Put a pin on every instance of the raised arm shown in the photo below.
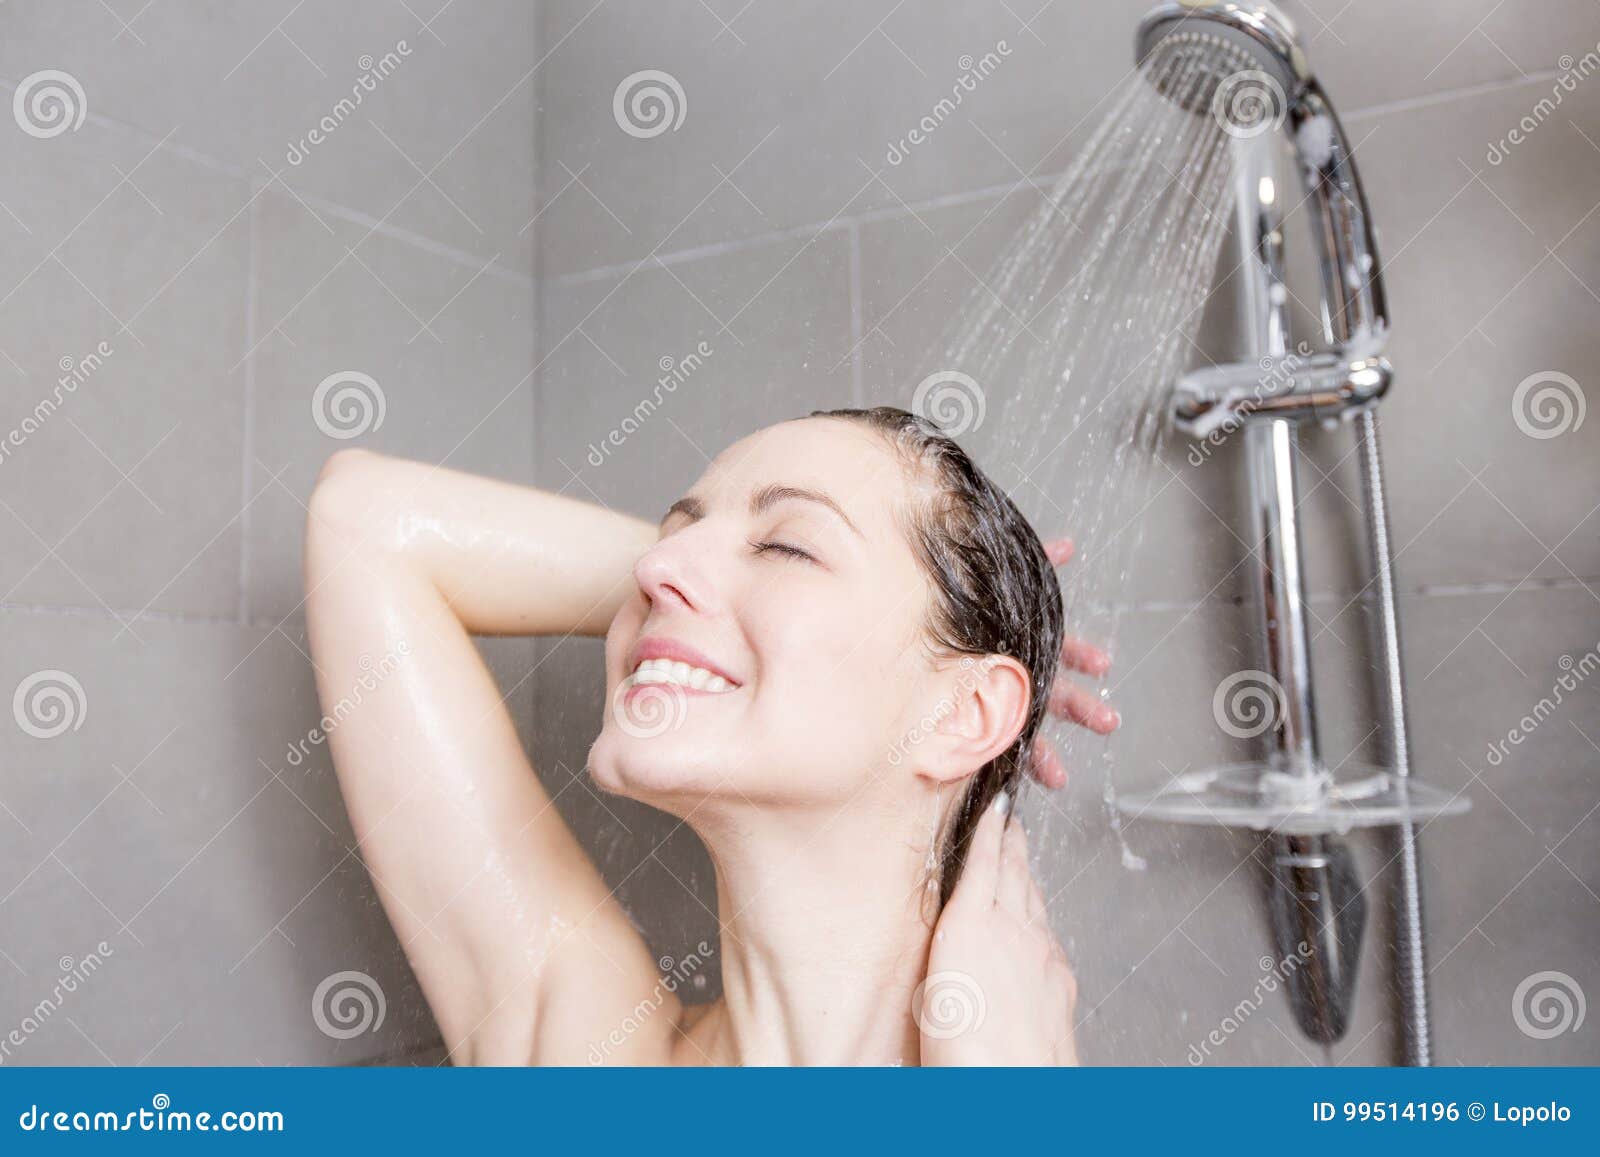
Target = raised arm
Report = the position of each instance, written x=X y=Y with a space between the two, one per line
x=488 y=890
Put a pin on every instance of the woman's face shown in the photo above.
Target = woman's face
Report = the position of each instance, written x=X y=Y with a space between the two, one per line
x=784 y=576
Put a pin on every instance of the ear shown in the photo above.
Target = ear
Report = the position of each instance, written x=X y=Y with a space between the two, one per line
x=982 y=711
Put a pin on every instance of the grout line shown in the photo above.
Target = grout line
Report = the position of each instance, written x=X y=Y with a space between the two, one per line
x=796 y=232
x=1466 y=92
x=246 y=469
x=858 y=392
x=992 y=192
x=336 y=209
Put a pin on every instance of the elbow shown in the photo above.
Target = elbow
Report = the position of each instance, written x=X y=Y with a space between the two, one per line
x=349 y=505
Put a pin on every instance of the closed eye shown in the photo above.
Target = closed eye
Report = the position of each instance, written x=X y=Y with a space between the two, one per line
x=782 y=548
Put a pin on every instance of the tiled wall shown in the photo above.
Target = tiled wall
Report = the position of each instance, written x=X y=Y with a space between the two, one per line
x=151 y=522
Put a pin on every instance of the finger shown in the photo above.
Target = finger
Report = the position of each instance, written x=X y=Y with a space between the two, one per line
x=1068 y=701
x=1011 y=890
x=982 y=867
x=1086 y=657
x=1046 y=765
x=1059 y=551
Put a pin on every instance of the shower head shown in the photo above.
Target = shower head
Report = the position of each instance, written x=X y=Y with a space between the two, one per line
x=1242 y=64
x=1208 y=41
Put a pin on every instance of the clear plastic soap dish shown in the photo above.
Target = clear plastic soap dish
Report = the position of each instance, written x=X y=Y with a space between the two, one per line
x=1258 y=796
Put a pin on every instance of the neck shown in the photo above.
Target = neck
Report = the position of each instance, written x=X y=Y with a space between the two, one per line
x=826 y=925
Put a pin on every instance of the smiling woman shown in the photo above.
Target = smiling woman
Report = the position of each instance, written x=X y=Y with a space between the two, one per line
x=831 y=659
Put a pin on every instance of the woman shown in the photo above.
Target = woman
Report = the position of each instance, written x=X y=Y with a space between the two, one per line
x=830 y=659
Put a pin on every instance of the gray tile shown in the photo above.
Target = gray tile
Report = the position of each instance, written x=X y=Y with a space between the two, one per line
x=220 y=874
x=1487 y=283
x=836 y=86
x=1369 y=52
x=121 y=328
x=248 y=87
x=449 y=347
x=1509 y=888
x=630 y=409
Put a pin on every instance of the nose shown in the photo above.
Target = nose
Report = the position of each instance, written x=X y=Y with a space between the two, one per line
x=672 y=574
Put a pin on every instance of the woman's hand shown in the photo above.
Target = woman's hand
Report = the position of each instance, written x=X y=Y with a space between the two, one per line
x=1067 y=699
x=999 y=990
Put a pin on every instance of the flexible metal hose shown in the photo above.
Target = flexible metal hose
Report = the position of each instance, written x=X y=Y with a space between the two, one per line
x=1411 y=961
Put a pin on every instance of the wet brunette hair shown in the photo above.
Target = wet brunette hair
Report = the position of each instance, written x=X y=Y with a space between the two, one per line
x=994 y=593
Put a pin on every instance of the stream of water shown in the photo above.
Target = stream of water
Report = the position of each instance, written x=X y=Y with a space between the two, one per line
x=1077 y=332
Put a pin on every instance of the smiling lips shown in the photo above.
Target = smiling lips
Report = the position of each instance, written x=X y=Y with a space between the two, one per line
x=662 y=660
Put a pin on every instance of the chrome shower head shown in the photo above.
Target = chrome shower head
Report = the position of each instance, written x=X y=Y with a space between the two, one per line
x=1208 y=41
x=1242 y=63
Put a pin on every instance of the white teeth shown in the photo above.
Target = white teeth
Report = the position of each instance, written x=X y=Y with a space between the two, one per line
x=680 y=674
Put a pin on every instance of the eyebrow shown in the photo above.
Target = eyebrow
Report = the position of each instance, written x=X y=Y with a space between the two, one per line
x=763 y=500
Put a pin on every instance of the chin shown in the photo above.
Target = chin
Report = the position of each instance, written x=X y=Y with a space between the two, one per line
x=657 y=770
